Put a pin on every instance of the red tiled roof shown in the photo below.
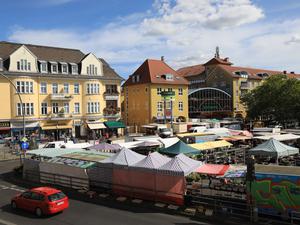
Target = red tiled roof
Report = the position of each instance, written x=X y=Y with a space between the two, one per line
x=191 y=70
x=252 y=72
x=215 y=60
x=151 y=71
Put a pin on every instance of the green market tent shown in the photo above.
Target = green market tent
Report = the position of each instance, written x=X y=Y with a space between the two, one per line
x=114 y=124
x=179 y=147
x=273 y=148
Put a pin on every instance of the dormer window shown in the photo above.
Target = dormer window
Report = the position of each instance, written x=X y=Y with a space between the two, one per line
x=1 y=64
x=74 y=68
x=64 y=67
x=137 y=78
x=54 y=67
x=169 y=76
x=243 y=74
x=23 y=65
x=43 y=67
x=262 y=75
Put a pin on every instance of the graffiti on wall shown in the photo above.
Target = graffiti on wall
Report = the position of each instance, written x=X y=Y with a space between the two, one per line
x=277 y=193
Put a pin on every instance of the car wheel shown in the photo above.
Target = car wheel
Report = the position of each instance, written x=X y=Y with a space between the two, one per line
x=14 y=205
x=38 y=212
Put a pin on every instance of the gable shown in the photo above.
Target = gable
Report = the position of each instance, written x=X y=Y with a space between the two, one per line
x=91 y=59
x=23 y=53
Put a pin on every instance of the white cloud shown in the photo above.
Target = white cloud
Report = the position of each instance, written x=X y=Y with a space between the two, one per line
x=186 y=33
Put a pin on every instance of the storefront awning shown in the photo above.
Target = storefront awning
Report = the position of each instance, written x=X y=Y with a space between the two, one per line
x=57 y=127
x=114 y=124
x=28 y=126
x=95 y=126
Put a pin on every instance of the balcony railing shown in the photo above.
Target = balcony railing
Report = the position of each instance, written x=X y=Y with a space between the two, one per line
x=59 y=115
x=61 y=97
x=111 y=95
x=111 y=111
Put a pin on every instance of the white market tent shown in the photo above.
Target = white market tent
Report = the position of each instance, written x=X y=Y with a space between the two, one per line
x=153 y=161
x=273 y=148
x=125 y=157
x=180 y=164
x=279 y=137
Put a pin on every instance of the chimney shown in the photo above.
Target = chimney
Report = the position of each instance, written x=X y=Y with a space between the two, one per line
x=284 y=72
x=292 y=72
x=162 y=58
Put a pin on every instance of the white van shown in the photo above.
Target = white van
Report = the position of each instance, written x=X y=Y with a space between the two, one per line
x=198 y=129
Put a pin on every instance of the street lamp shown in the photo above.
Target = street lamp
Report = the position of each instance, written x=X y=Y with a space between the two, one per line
x=22 y=105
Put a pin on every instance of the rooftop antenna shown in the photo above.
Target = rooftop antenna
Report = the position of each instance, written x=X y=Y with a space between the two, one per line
x=217 y=55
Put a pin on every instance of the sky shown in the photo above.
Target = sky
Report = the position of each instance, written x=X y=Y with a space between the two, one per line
x=256 y=33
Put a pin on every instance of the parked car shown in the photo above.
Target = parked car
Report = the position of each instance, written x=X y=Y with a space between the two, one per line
x=165 y=132
x=41 y=201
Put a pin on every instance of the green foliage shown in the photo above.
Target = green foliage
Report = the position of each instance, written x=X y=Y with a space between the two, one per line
x=278 y=98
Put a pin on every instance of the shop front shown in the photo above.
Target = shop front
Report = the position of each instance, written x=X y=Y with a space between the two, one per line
x=96 y=129
x=55 y=131
x=31 y=128
x=5 y=129
x=115 y=128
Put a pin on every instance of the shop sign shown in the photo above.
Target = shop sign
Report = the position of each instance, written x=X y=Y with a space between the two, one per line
x=5 y=124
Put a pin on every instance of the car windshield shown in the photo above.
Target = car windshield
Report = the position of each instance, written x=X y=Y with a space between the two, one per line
x=56 y=196
x=165 y=130
x=50 y=145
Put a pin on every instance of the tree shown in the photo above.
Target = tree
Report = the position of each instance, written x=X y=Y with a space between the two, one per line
x=278 y=98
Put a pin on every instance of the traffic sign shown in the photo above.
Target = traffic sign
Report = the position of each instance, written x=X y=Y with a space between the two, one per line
x=25 y=145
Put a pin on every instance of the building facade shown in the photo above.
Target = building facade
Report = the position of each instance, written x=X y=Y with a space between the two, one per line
x=155 y=93
x=216 y=87
x=63 y=90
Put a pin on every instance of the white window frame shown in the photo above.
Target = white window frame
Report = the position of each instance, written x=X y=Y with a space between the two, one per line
x=74 y=68
x=44 y=108
x=54 y=85
x=180 y=106
x=158 y=91
x=28 y=109
x=76 y=108
x=67 y=107
x=54 y=64
x=76 y=89
x=41 y=66
x=43 y=88
x=66 y=88
x=160 y=106
x=63 y=64
x=24 y=87
x=180 y=91
x=54 y=107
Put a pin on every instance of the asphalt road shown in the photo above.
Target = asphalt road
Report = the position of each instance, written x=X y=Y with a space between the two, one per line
x=81 y=212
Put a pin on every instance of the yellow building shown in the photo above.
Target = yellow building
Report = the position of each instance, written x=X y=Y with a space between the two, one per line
x=63 y=90
x=216 y=87
x=143 y=95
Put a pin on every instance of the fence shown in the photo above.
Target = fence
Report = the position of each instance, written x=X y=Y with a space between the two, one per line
x=206 y=205
x=80 y=183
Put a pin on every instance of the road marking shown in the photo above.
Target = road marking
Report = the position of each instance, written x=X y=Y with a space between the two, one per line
x=6 y=222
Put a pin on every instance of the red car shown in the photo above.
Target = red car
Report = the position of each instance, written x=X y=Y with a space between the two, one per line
x=41 y=201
